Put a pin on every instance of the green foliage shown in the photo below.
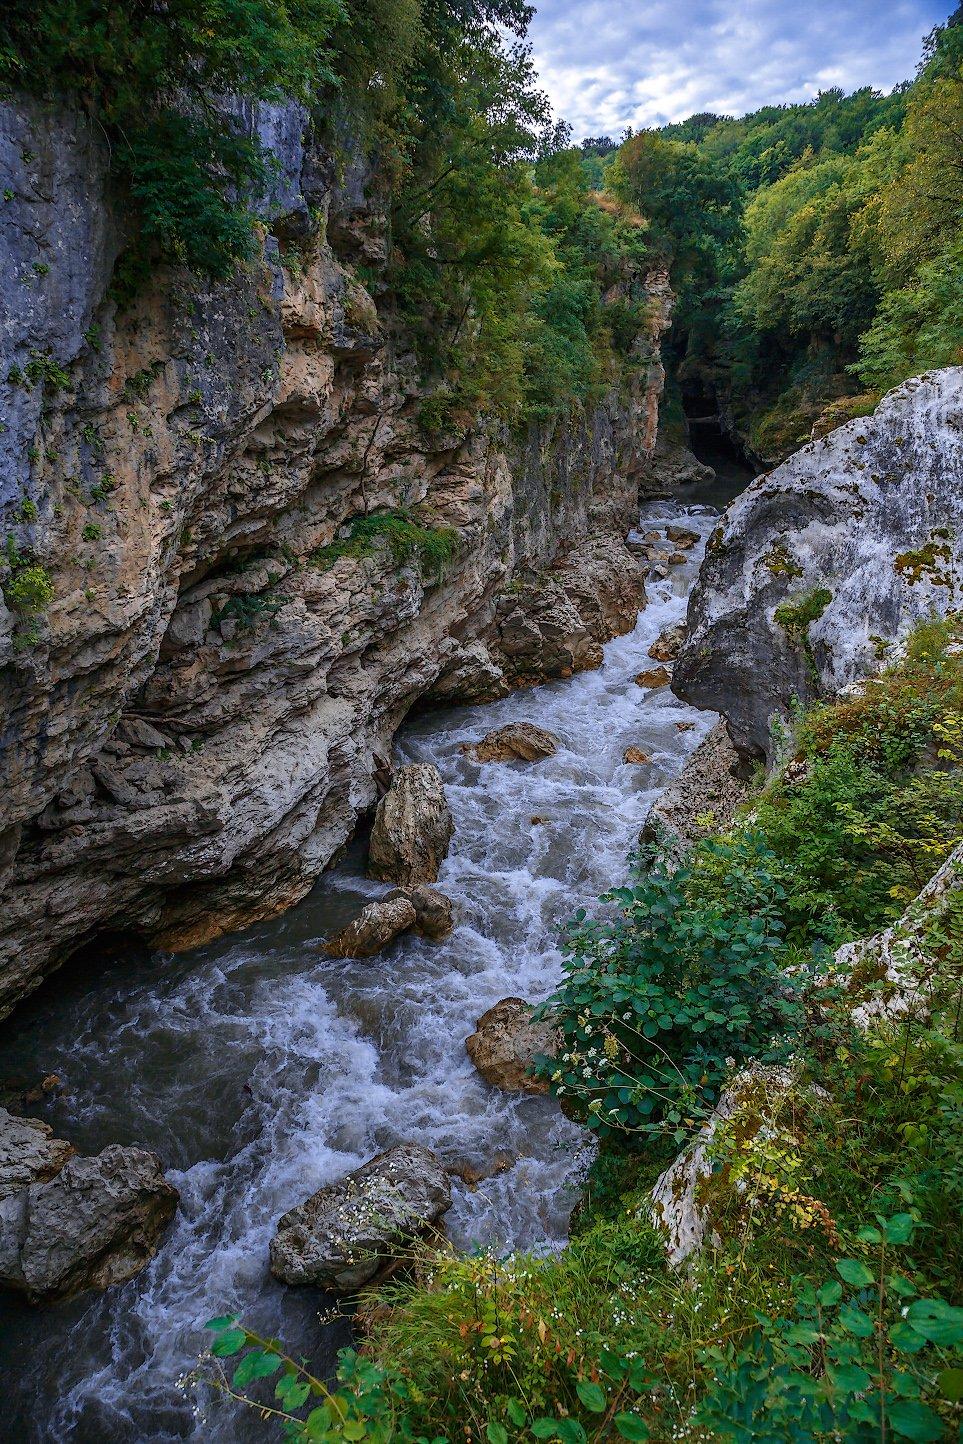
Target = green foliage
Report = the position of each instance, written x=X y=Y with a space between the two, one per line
x=432 y=548
x=659 y=1001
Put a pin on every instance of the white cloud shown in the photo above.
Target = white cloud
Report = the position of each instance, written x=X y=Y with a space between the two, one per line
x=607 y=64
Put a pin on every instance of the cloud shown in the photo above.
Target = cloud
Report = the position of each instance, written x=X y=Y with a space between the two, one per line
x=611 y=63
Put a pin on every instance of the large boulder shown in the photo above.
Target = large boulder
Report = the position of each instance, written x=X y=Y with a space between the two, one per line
x=29 y=1153
x=341 y=1237
x=820 y=567
x=374 y=928
x=506 y=1042
x=434 y=913
x=412 y=828
x=97 y=1223
x=516 y=742
x=704 y=798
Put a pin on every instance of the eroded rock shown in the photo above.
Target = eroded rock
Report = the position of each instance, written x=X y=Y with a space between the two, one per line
x=341 y=1237
x=517 y=742
x=413 y=827
x=378 y=924
x=434 y=911
x=666 y=646
x=636 y=757
x=97 y=1223
x=505 y=1044
x=704 y=798
x=653 y=677
x=29 y=1153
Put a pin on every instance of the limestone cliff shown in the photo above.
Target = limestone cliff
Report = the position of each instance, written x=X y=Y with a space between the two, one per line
x=197 y=688
x=820 y=569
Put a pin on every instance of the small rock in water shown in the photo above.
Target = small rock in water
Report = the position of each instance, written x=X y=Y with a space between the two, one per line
x=682 y=537
x=666 y=646
x=517 y=742
x=413 y=827
x=635 y=756
x=434 y=913
x=472 y=1176
x=97 y=1223
x=676 y=559
x=341 y=1237
x=654 y=677
x=504 y=1045
x=377 y=925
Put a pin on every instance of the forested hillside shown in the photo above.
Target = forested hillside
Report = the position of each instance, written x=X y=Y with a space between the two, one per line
x=815 y=248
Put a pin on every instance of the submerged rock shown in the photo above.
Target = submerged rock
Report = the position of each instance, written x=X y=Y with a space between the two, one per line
x=819 y=568
x=29 y=1153
x=341 y=1236
x=97 y=1223
x=682 y=536
x=636 y=757
x=505 y=1044
x=517 y=742
x=412 y=828
x=377 y=925
x=653 y=677
x=434 y=912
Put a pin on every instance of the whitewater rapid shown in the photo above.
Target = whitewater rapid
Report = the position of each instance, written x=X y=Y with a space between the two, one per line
x=260 y=1070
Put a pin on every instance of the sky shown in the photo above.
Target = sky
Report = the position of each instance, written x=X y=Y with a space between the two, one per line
x=607 y=64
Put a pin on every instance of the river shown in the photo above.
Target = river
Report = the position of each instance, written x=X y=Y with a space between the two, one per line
x=258 y=1069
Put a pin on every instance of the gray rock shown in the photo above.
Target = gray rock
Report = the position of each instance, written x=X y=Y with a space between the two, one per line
x=820 y=569
x=505 y=1044
x=413 y=827
x=434 y=913
x=29 y=1153
x=341 y=1236
x=704 y=798
x=96 y=1224
x=517 y=742
x=377 y=925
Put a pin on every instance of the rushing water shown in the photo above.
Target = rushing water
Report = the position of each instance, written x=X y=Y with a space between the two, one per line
x=260 y=1070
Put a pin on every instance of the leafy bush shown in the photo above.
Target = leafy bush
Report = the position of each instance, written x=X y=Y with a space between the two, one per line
x=660 y=1002
x=433 y=548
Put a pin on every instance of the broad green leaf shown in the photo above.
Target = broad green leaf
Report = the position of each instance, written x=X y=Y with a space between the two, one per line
x=850 y=1378
x=830 y=1293
x=937 y=1321
x=950 y=1382
x=906 y=1339
x=224 y=1322
x=854 y=1272
x=544 y=1428
x=516 y=1412
x=912 y=1420
x=570 y=1431
x=497 y=1433
x=899 y=1228
x=230 y=1342
x=855 y=1321
x=355 y=1429
x=631 y=1427
x=591 y=1395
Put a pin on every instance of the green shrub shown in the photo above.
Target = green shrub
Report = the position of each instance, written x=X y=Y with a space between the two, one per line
x=659 y=1002
x=433 y=548
x=28 y=589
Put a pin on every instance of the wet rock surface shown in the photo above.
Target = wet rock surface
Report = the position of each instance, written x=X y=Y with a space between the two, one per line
x=666 y=647
x=434 y=911
x=517 y=742
x=378 y=925
x=505 y=1043
x=653 y=677
x=341 y=1237
x=412 y=829
x=97 y=1223
x=29 y=1153
x=821 y=568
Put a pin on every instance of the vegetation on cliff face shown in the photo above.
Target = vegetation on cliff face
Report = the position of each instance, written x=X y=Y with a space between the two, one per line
x=521 y=295
x=815 y=247
x=825 y=1306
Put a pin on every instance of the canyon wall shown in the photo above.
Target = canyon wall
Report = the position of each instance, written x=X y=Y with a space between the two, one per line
x=819 y=570
x=201 y=666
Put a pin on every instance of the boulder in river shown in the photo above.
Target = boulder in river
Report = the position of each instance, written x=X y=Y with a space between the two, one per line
x=413 y=827
x=653 y=677
x=434 y=913
x=506 y=1042
x=517 y=742
x=374 y=928
x=682 y=536
x=341 y=1237
x=29 y=1153
x=97 y=1223
x=666 y=646
x=635 y=757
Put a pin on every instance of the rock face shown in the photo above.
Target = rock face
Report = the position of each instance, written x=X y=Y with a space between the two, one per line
x=516 y=742
x=413 y=827
x=505 y=1044
x=341 y=1236
x=29 y=1153
x=434 y=913
x=704 y=798
x=377 y=925
x=191 y=722
x=820 y=567
x=95 y=1224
